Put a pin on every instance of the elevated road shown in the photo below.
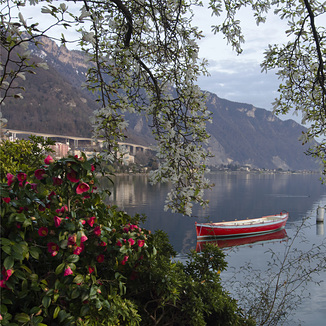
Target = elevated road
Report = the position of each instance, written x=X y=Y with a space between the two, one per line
x=133 y=148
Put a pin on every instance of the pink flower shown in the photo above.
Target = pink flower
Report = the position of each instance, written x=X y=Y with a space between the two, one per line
x=10 y=179
x=91 y=221
x=97 y=231
x=119 y=244
x=72 y=176
x=83 y=238
x=6 y=199
x=79 y=249
x=92 y=168
x=68 y=271
x=124 y=260
x=6 y=273
x=53 y=248
x=39 y=174
x=131 y=241
x=3 y=284
x=72 y=240
x=91 y=269
x=141 y=243
x=100 y=258
x=21 y=176
x=57 y=221
x=102 y=243
x=48 y=160
x=57 y=181
x=43 y=231
x=82 y=187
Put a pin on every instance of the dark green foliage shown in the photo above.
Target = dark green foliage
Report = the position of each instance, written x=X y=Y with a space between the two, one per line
x=69 y=259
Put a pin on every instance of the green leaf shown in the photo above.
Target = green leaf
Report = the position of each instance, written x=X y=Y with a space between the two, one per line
x=84 y=310
x=79 y=279
x=8 y=262
x=20 y=217
x=33 y=277
x=22 y=318
x=7 y=249
x=73 y=258
x=60 y=268
x=56 y=312
x=75 y=293
x=5 y=242
x=46 y=301
x=35 y=252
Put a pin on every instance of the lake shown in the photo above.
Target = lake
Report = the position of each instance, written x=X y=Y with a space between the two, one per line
x=251 y=265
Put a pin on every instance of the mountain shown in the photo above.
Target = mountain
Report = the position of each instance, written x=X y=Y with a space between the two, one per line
x=55 y=102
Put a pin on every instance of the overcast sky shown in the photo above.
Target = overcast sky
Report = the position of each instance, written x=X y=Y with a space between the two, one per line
x=239 y=77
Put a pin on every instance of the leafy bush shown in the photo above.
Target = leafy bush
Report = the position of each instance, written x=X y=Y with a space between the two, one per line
x=70 y=259
x=23 y=154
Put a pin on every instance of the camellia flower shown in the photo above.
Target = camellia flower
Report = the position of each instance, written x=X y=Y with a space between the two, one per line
x=48 y=160
x=79 y=249
x=83 y=238
x=100 y=258
x=43 y=231
x=21 y=176
x=124 y=260
x=97 y=230
x=92 y=168
x=68 y=271
x=57 y=221
x=131 y=241
x=72 y=240
x=39 y=174
x=82 y=187
x=72 y=176
x=53 y=248
x=102 y=243
x=10 y=179
x=141 y=243
x=91 y=269
x=6 y=273
x=3 y=284
x=6 y=199
x=91 y=221
x=57 y=181
x=119 y=244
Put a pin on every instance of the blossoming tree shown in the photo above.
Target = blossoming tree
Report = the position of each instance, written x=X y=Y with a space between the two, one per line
x=143 y=59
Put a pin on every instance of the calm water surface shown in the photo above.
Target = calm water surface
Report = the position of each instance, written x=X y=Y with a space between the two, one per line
x=238 y=196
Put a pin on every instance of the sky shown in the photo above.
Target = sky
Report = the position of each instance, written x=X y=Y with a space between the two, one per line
x=238 y=77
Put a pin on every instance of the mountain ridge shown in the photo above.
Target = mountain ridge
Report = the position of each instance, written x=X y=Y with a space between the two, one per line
x=55 y=102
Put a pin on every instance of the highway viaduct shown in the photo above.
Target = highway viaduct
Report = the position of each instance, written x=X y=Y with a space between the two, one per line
x=132 y=148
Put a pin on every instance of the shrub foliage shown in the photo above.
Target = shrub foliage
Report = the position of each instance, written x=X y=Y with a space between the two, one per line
x=70 y=259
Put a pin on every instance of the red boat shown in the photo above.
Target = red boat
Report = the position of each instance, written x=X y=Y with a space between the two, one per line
x=227 y=242
x=261 y=225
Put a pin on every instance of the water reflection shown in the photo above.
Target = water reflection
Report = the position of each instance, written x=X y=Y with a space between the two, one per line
x=280 y=235
x=268 y=269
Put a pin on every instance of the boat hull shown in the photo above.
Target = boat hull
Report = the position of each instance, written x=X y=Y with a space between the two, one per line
x=240 y=228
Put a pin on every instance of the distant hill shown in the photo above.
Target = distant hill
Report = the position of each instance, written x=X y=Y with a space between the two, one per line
x=55 y=102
